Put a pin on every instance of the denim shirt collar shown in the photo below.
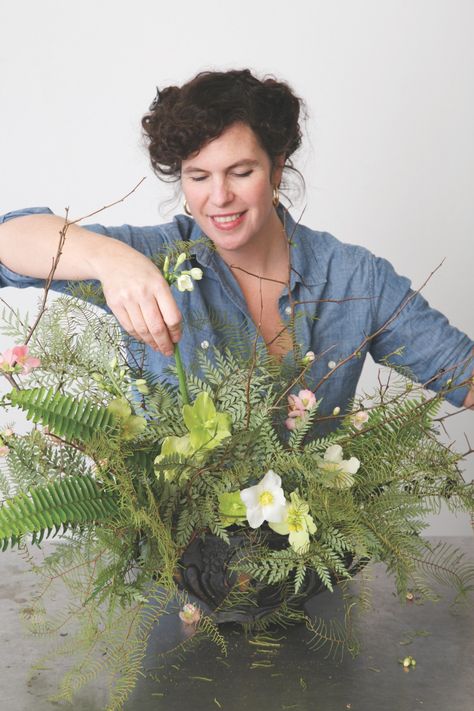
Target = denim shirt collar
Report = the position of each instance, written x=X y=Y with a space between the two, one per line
x=307 y=254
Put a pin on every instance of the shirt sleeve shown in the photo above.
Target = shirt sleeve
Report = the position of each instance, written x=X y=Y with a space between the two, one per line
x=416 y=337
x=147 y=240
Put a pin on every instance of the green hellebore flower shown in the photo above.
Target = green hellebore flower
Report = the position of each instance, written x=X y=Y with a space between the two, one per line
x=297 y=523
x=231 y=508
x=173 y=445
x=133 y=426
x=207 y=427
x=119 y=408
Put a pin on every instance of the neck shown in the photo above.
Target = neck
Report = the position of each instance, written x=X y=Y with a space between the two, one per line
x=265 y=256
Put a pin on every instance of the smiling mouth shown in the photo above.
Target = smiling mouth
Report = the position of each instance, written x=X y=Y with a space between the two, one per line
x=226 y=219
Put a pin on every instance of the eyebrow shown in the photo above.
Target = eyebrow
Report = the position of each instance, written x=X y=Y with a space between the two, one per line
x=244 y=161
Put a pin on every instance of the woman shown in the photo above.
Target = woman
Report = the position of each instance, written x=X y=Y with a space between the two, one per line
x=228 y=138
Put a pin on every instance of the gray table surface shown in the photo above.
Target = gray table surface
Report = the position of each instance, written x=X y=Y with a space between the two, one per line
x=288 y=676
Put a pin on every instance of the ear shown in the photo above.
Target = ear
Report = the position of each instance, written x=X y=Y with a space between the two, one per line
x=277 y=170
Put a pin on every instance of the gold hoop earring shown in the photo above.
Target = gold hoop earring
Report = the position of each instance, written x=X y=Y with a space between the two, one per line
x=275 y=196
x=186 y=209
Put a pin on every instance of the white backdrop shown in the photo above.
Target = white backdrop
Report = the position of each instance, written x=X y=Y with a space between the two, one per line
x=388 y=156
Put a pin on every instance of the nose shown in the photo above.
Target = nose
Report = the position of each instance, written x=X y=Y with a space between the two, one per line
x=221 y=194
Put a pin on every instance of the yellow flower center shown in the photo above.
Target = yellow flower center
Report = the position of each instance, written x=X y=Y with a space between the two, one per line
x=266 y=498
x=295 y=521
x=331 y=466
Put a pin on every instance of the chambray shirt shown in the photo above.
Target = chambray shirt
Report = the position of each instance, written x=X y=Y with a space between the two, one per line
x=341 y=293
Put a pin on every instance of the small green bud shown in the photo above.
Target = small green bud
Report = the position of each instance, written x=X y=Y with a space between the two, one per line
x=180 y=260
x=142 y=386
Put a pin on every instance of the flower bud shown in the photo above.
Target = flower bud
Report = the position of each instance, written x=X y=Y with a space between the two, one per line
x=190 y=614
x=195 y=273
x=141 y=386
x=180 y=260
x=308 y=358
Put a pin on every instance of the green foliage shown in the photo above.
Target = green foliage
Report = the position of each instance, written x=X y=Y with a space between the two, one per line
x=132 y=499
x=63 y=503
x=74 y=418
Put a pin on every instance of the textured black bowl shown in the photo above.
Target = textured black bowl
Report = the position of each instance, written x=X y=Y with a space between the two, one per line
x=208 y=571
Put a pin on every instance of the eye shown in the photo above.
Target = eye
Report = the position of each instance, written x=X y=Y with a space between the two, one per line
x=243 y=175
x=198 y=180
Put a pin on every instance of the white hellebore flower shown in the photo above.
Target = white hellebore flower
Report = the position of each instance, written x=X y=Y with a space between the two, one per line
x=265 y=501
x=184 y=283
x=338 y=472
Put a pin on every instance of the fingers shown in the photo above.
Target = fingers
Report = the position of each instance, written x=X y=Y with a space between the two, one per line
x=145 y=306
x=146 y=323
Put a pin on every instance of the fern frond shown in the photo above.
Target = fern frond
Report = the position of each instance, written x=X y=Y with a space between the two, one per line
x=61 y=503
x=74 y=418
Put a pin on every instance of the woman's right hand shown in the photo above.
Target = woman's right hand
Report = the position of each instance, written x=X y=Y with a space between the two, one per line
x=134 y=288
x=138 y=295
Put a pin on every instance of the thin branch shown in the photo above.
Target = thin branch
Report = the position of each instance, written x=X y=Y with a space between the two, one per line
x=376 y=333
x=106 y=207
x=62 y=239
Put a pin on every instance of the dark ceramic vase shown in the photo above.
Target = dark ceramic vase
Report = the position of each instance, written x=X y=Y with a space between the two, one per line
x=207 y=571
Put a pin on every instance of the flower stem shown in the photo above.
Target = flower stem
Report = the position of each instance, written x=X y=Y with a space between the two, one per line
x=181 y=376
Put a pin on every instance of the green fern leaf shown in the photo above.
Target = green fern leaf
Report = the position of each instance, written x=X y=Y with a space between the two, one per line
x=66 y=502
x=66 y=416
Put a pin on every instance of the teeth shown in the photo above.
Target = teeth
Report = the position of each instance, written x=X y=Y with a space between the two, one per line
x=228 y=218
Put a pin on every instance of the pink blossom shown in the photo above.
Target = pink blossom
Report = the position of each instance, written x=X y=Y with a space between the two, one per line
x=358 y=419
x=308 y=398
x=292 y=422
x=18 y=356
x=298 y=406
x=4 y=450
x=295 y=405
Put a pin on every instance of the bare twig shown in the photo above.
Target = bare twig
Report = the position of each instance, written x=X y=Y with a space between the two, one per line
x=112 y=204
x=380 y=330
x=62 y=239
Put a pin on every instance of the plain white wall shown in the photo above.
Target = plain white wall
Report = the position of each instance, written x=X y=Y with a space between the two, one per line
x=388 y=156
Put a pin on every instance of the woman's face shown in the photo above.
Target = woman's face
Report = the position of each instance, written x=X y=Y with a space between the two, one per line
x=228 y=186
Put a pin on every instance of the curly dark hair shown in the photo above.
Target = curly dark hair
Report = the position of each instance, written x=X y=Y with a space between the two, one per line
x=183 y=119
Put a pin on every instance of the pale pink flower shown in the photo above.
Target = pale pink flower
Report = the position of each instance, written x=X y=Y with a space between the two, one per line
x=298 y=406
x=18 y=356
x=4 y=450
x=308 y=398
x=190 y=614
x=358 y=419
x=292 y=423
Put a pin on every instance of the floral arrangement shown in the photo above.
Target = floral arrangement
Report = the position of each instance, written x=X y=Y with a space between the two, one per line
x=131 y=474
